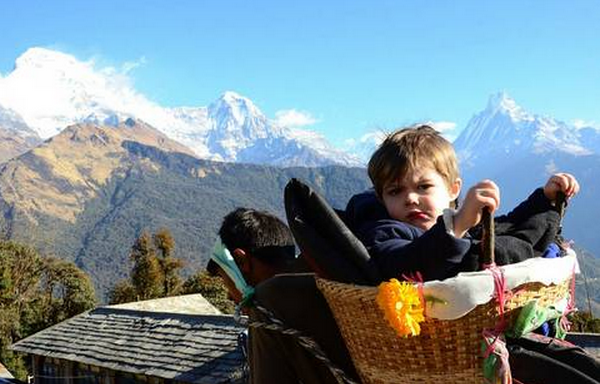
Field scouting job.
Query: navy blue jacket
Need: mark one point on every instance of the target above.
(399, 248)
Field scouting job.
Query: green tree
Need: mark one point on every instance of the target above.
(164, 242)
(122, 292)
(146, 275)
(20, 270)
(155, 271)
(170, 266)
(35, 293)
(67, 290)
(211, 288)
(20, 273)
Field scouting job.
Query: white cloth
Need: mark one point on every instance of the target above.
(448, 216)
(464, 292)
(222, 257)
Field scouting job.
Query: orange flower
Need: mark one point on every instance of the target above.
(402, 306)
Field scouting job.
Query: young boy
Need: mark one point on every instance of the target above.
(408, 222)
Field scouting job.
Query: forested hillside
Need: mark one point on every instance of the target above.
(155, 189)
(88, 193)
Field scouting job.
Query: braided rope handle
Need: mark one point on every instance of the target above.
(274, 324)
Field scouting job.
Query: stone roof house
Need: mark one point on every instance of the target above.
(172, 340)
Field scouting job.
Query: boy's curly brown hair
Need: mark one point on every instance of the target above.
(408, 149)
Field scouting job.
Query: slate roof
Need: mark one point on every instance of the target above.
(194, 304)
(5, 373)
(191, 348)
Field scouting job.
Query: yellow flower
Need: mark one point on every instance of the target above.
(402, 306)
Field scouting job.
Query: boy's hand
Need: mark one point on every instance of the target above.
(483, 194)
(561, 182)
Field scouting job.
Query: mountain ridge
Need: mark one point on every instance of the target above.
(86, 194)
(519, 150)
(52, 90)
(83, 157)
(505, 129)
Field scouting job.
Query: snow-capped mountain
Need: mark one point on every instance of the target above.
(13, 122)
(52, 90)
(365, 145)
(504, 130)
(15, 135)
(519, 150)
(590, 136)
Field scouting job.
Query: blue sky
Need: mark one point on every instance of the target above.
(353, 66)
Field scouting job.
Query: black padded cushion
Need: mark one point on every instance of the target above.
(328, 246)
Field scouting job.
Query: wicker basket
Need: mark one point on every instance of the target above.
(446, 351)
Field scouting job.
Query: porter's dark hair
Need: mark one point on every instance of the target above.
(259, 233)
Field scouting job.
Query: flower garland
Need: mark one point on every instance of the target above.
(402, 306)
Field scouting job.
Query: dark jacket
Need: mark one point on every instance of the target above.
(399, 248)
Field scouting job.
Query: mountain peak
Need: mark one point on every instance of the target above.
(504, 131)
(38, 57)
(235, 106)
(237, 103)
(51, 90)
(501, 102)
(232, 96)
(500, 99)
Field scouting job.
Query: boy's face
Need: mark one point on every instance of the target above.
(419, 197)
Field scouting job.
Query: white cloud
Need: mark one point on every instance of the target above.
(579, 123)
(52, 89)
(119, 77)
(446, 128)
(373, 138)
(364, 146)
(128, 66)
(442, 126)
(551, 168)
(292, 118)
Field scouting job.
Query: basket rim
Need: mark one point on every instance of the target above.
(461, 294)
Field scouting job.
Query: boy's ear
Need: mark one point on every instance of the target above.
(455, 188)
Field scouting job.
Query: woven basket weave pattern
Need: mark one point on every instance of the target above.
(447, 351)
